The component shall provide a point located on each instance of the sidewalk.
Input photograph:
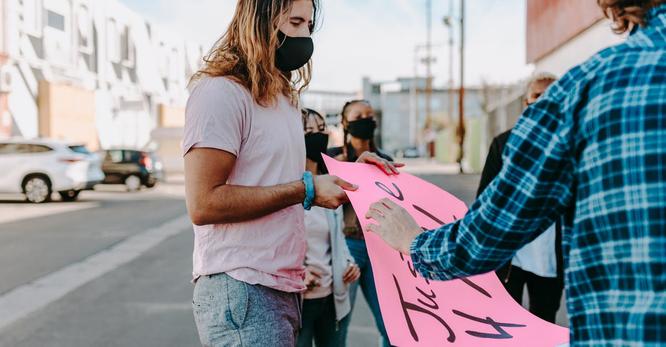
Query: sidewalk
(15, 208)
(423, 166)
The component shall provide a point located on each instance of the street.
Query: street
(114, 269)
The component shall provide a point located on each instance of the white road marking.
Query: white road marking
(31, 297)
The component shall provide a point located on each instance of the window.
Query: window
(79, 149)
(37, 149)
(7, 148)
(84, 28)
(22, 148)
(131, 156)
(127, 50)
(163, 59)
(113, 40)
(55, 20)
(125, 45)
(114, 156)
(31, 14)
(173, 63)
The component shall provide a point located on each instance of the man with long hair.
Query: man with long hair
(246, 184)
(592, 149)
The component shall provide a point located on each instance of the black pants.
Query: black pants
(544, 293)
(320, 326)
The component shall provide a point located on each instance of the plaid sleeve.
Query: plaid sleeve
(530, 192)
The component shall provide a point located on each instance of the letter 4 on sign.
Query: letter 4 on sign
(474, 311)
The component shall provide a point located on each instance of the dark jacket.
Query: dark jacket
(493, 164)
(491, 170)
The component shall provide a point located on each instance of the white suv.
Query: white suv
(37, 168)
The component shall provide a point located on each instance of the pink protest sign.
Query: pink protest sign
(476, 311)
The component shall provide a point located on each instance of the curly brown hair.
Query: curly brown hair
(246, 52)
(627, 13)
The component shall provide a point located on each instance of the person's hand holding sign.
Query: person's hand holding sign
(331, 190)
(393, 224)
(388, 167)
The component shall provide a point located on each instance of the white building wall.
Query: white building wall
(3, 19)
(101, 45)
(579, 49)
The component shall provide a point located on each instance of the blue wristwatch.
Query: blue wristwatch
(308, 181)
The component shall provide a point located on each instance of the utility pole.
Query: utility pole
(461, 95)
(428, 94)
(449, 23)
(414, 114)
(416, 90)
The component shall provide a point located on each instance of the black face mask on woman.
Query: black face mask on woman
(293, 52)
(315, 145)
(363, 128)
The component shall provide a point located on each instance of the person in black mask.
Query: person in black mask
(316, 138)
(359, 123)
(329, 267)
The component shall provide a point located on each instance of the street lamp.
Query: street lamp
(448, 21)
(461, 95)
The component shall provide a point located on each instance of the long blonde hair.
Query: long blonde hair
(246, 52)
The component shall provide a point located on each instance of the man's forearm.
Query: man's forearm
(233, 204)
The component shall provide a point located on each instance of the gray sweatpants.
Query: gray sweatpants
(233, 313)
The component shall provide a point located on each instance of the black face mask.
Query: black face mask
(293, 53)
(315, 145)
(363, 128)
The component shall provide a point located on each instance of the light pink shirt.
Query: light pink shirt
(270, 149)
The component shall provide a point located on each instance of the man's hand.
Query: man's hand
(394, 225)
(352, 274)
(312, 278)
(389, 167)
(330, 191)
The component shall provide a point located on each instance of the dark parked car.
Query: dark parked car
(133, 168)
(412, 152)
(409, 152)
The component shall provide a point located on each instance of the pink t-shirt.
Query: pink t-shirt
(270, 149)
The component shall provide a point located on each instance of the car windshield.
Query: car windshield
(80, 149)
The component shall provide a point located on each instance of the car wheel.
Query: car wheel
(151, 183)
(69, 195)
(37, 189)
(133, 183)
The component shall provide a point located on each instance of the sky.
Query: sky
(377, 38)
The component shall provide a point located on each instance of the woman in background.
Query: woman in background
(329, 267)
(358, 121)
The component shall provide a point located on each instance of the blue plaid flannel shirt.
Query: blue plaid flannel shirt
(593, 150)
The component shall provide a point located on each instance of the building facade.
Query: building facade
(5, 118)
(329, 104)
(562, 34)
(91, 71)
(559, 35)
(401, 105)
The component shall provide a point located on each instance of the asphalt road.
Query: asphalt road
(113, 270)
